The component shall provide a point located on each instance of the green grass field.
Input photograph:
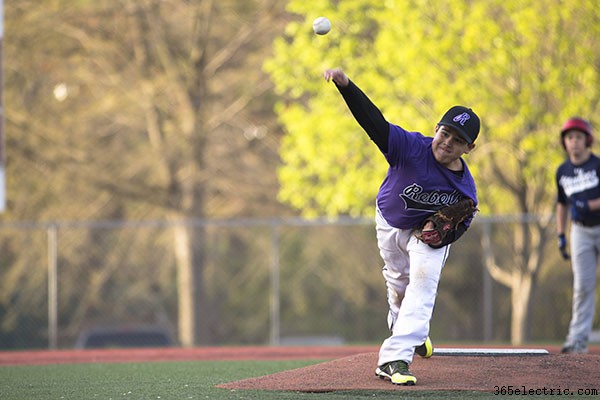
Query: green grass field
(175, 380)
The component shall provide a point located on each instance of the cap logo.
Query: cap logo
(462, 118)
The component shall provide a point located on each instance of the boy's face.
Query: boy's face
(448, 146)
(575, 143)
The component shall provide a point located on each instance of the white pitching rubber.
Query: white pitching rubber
(488, 352)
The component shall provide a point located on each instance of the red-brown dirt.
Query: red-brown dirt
(42, 357)
(352, 368)
(499, 374)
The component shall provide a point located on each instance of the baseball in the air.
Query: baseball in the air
(321, 26)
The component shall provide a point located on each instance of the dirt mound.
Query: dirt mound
(504, 375)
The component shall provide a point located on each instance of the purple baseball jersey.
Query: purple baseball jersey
(417, 185)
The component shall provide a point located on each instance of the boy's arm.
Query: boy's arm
(365, 112)
(368, 116)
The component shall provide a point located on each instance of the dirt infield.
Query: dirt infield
(352, 368)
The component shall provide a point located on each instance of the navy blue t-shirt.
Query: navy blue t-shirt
(580, 182)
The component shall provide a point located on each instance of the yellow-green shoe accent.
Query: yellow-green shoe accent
(397, 373)
(426, 349)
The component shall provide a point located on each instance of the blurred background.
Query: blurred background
(263, 282)
(179, 173)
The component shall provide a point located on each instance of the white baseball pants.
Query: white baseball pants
(412, 272)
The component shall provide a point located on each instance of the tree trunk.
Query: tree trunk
(521, 300)
(186, 285)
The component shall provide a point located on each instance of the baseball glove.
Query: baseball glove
(445, 221)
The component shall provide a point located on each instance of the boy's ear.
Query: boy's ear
(470, 147)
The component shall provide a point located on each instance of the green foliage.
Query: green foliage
(524, 67)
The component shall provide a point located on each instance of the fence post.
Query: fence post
(52, 287)
(275, 295)
(488, 306)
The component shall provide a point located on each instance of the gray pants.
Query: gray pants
(585, 247)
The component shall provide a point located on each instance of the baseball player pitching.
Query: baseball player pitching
(426, 202)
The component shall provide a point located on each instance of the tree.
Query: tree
(142, 109)
(523, 66)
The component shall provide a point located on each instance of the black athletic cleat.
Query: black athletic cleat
(396, 372)
(426, 349)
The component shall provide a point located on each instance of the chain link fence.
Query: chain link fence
(264, 281)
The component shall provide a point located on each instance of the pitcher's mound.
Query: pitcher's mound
(547, 374)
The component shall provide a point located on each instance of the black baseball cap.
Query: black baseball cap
(464, 120)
